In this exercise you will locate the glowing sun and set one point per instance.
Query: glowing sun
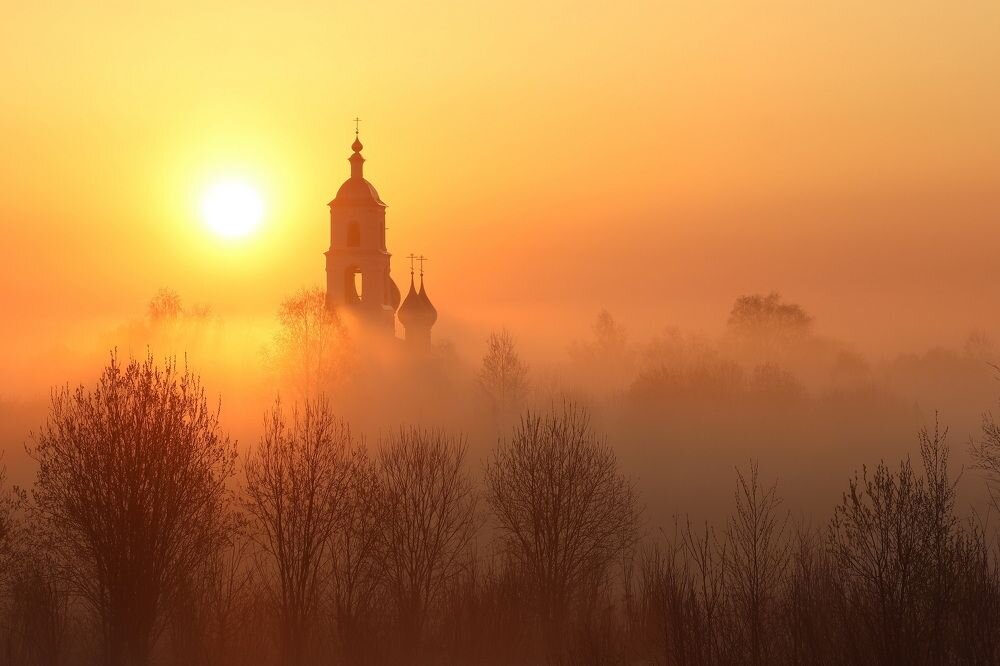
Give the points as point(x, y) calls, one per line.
point(232, 208)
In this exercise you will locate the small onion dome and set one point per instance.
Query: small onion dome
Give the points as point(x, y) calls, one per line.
point(356, 146)
point(430, 311)
point(412, 310)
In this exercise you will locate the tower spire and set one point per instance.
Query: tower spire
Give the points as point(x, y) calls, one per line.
point(357, 162)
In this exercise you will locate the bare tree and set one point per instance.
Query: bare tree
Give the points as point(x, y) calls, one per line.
point(211, 604)
point(874, 547)
point(758, 557)
point(428, 520)
point(563, 509)
point(986, 456)
point(37, 613)
point(298, 481)
point(709, 561)
point(680, 597)
point(312, 348)
point(503, 375)
point(354, 565)
point(807, 619)
point(9, 501)
point(898, 548)
point(130, 488)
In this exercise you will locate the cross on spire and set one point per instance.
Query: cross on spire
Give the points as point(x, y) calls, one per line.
point(422, 259)
point(413, 257)
point(356, 122)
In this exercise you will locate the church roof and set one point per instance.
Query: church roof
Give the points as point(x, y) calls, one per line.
point(357, 192)
point(416, 308)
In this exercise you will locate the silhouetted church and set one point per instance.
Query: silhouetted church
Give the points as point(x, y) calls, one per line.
point(357, 264)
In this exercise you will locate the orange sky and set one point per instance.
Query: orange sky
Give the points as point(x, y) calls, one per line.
point(657, 158)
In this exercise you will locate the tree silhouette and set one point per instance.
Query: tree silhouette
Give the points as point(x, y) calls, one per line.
point(165, 306)
point(897, 546)
point(298, 482)
point(38, 614)
point(131, 490)
point(354, 567)
point(607, 359)
point(427, 511)
point(503, 375)
point(765, 324)
point(211, 606)
point(986, 456)
point(758, 555)
point(311, 348)
point(562, 507)
point(9, 531)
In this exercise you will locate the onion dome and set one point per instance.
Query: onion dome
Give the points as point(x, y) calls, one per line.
point(430, 312)
point(412, 310)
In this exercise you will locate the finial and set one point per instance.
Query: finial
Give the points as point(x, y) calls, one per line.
point(421, 259)
point(411, 258)
point(356, 146)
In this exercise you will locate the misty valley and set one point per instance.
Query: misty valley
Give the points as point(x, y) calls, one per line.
point(766, 495)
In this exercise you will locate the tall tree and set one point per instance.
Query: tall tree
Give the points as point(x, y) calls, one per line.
point(563, 508)
point(298, 482)
point(899, 550)
point(355, 576)
point(759, 553)
point(427, 514)
point(131, 488)
point(503, 375)
point(311, 348)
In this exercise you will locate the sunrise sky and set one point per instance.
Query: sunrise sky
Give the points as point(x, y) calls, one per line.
point(552, 158)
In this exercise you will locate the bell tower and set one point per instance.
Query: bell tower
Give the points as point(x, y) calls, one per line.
point(357, 263)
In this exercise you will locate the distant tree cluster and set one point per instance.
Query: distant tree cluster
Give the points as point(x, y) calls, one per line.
point(765, 324)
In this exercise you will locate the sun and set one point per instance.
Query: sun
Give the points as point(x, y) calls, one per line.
point(232, 208)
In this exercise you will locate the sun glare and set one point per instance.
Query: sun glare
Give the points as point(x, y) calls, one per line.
point(232, 209)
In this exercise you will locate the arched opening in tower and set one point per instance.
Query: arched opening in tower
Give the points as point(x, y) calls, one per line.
point(354, 285)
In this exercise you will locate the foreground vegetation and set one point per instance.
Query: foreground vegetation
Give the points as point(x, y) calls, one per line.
point(146, 539)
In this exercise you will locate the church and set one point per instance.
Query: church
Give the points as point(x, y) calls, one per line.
point(359, 287)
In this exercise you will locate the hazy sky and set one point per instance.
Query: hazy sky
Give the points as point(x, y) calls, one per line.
point(658, 158)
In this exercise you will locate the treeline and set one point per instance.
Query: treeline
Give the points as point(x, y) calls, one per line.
point(146, 539)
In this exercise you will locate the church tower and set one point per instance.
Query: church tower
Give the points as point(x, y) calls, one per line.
point(357, 263)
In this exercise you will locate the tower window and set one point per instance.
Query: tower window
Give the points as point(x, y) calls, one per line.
point(353, 235)
point(354, 284)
